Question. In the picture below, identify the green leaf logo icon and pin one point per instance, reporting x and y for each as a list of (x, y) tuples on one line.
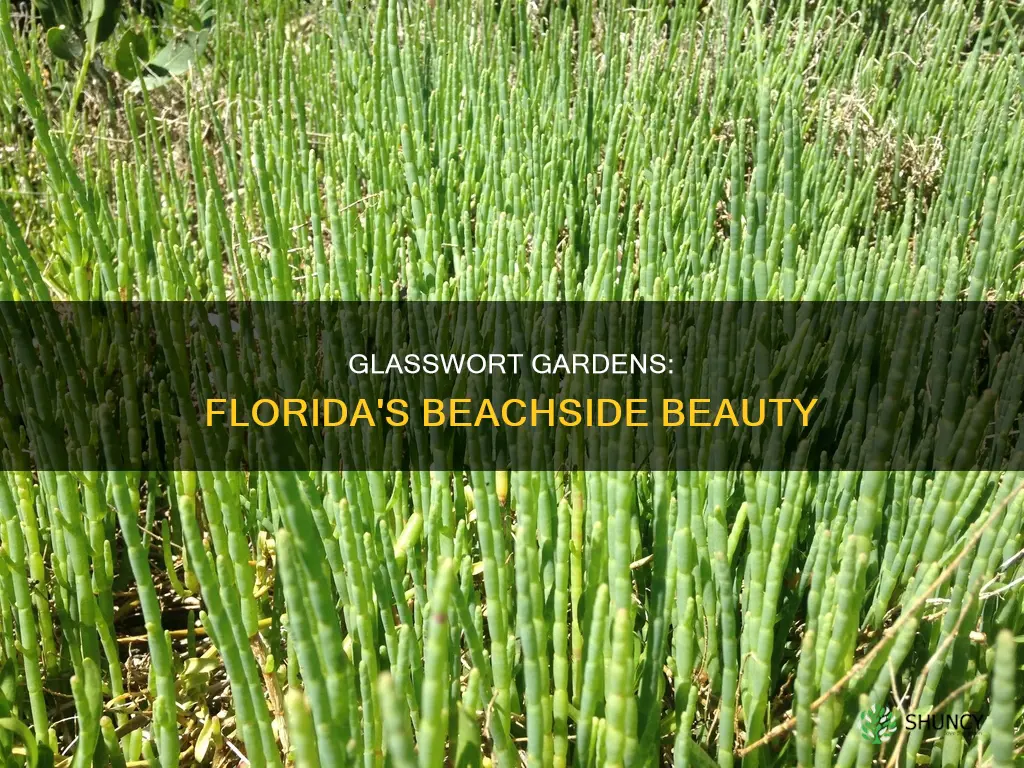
[(878, 724)]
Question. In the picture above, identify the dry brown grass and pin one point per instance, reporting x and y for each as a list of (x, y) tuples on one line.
[(916, 161)]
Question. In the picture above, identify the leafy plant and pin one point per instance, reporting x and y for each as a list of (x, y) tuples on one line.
[(171, 61), (132, 53), (75, 31), (90, 22)]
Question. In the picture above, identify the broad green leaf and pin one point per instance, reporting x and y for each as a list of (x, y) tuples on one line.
[(8, 686), (100, 19), (132, 54), (21, 730), (8, 693), (209, 733), (201, 16), (177, 56), (56, 12), (63, 43), (174, 59)]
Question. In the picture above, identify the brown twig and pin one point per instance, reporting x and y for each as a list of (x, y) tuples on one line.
[(179, 633), (958, 691), (922, 679)]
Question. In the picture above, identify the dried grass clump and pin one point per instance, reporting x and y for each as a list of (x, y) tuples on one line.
[(890, 153)]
